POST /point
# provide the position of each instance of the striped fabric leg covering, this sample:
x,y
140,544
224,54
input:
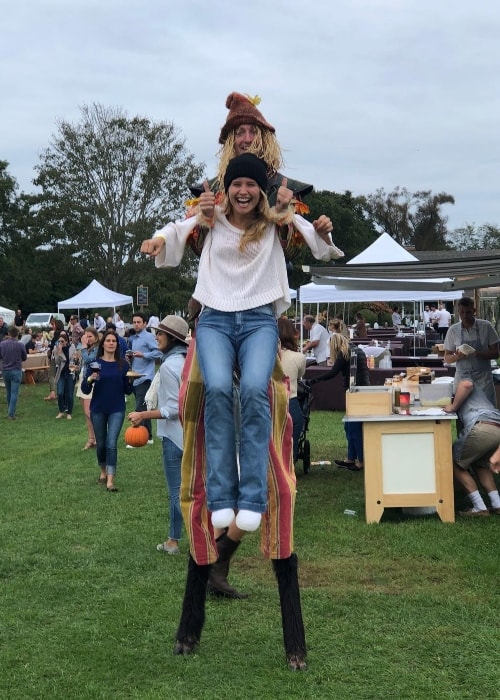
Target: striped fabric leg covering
x,y
277,523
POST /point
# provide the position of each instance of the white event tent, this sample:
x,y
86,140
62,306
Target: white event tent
x,y
7,315
384,250
96,296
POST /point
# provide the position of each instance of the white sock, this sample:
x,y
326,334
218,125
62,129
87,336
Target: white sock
x,y
494,497
248,520
477,501
222,518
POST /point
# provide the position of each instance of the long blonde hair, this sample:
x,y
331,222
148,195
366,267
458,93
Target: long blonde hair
x,y
338,344
264,146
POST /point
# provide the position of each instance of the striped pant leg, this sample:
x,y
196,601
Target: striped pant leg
x,y
277,523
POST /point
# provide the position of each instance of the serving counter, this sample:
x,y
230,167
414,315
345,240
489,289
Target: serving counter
x,y
330,395
407,463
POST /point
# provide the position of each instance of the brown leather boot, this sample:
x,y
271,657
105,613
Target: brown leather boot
x,y
218,585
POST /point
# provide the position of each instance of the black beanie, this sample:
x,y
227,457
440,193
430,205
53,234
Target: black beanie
x,y
246,165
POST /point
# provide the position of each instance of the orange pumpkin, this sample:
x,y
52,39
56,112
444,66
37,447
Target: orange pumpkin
x,y
136,435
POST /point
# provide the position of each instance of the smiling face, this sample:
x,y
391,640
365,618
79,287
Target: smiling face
x,y
243,138
162,340
244,195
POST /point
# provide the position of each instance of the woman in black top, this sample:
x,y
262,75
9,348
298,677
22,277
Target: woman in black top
x,y
353,429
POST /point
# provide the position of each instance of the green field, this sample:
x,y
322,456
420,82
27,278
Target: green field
x,y
408,608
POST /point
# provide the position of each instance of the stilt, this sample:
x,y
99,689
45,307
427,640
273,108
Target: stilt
x,y
286,571
193,608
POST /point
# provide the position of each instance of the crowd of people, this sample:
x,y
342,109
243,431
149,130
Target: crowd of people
x,y
68,350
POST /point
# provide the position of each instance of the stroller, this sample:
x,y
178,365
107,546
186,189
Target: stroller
x,y
304,395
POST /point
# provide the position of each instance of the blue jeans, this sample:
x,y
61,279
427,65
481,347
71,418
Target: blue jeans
x,y
107,428
172,457
65,393
354,435
12,379
225,340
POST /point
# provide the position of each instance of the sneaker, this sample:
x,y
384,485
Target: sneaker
x,y
496,511
167,548
130,447
247,520
474,513
151,442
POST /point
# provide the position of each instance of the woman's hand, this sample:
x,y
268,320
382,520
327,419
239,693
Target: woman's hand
x,y
323,226
152,246
135,417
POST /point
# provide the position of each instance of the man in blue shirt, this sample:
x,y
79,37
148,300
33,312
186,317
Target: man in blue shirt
x,y
12,354
475,445
145,348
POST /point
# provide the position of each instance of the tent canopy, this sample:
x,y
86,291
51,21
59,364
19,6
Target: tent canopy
x,y
349,289
95,296
7,315
384,250
330,294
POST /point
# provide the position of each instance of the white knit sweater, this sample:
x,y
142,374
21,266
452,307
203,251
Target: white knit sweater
x,y
234,280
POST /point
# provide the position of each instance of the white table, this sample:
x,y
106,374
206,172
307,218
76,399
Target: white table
x,y
408,463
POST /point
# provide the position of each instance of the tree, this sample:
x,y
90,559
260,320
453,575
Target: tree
x,y
20,278
107,183
9,209
470,237
411,219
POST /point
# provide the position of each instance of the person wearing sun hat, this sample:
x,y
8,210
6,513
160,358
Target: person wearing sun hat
x,y
174,326
162,402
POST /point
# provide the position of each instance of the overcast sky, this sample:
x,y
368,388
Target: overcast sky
x,y
363,93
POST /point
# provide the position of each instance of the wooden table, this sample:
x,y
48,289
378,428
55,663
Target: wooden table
x,y
34,363
408,463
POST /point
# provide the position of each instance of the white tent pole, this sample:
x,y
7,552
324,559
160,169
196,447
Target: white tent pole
x,y
301,326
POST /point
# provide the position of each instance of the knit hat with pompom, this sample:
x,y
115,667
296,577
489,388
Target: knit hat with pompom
x,y
242,110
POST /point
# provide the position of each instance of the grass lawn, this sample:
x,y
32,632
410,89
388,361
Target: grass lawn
x,y
408,608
